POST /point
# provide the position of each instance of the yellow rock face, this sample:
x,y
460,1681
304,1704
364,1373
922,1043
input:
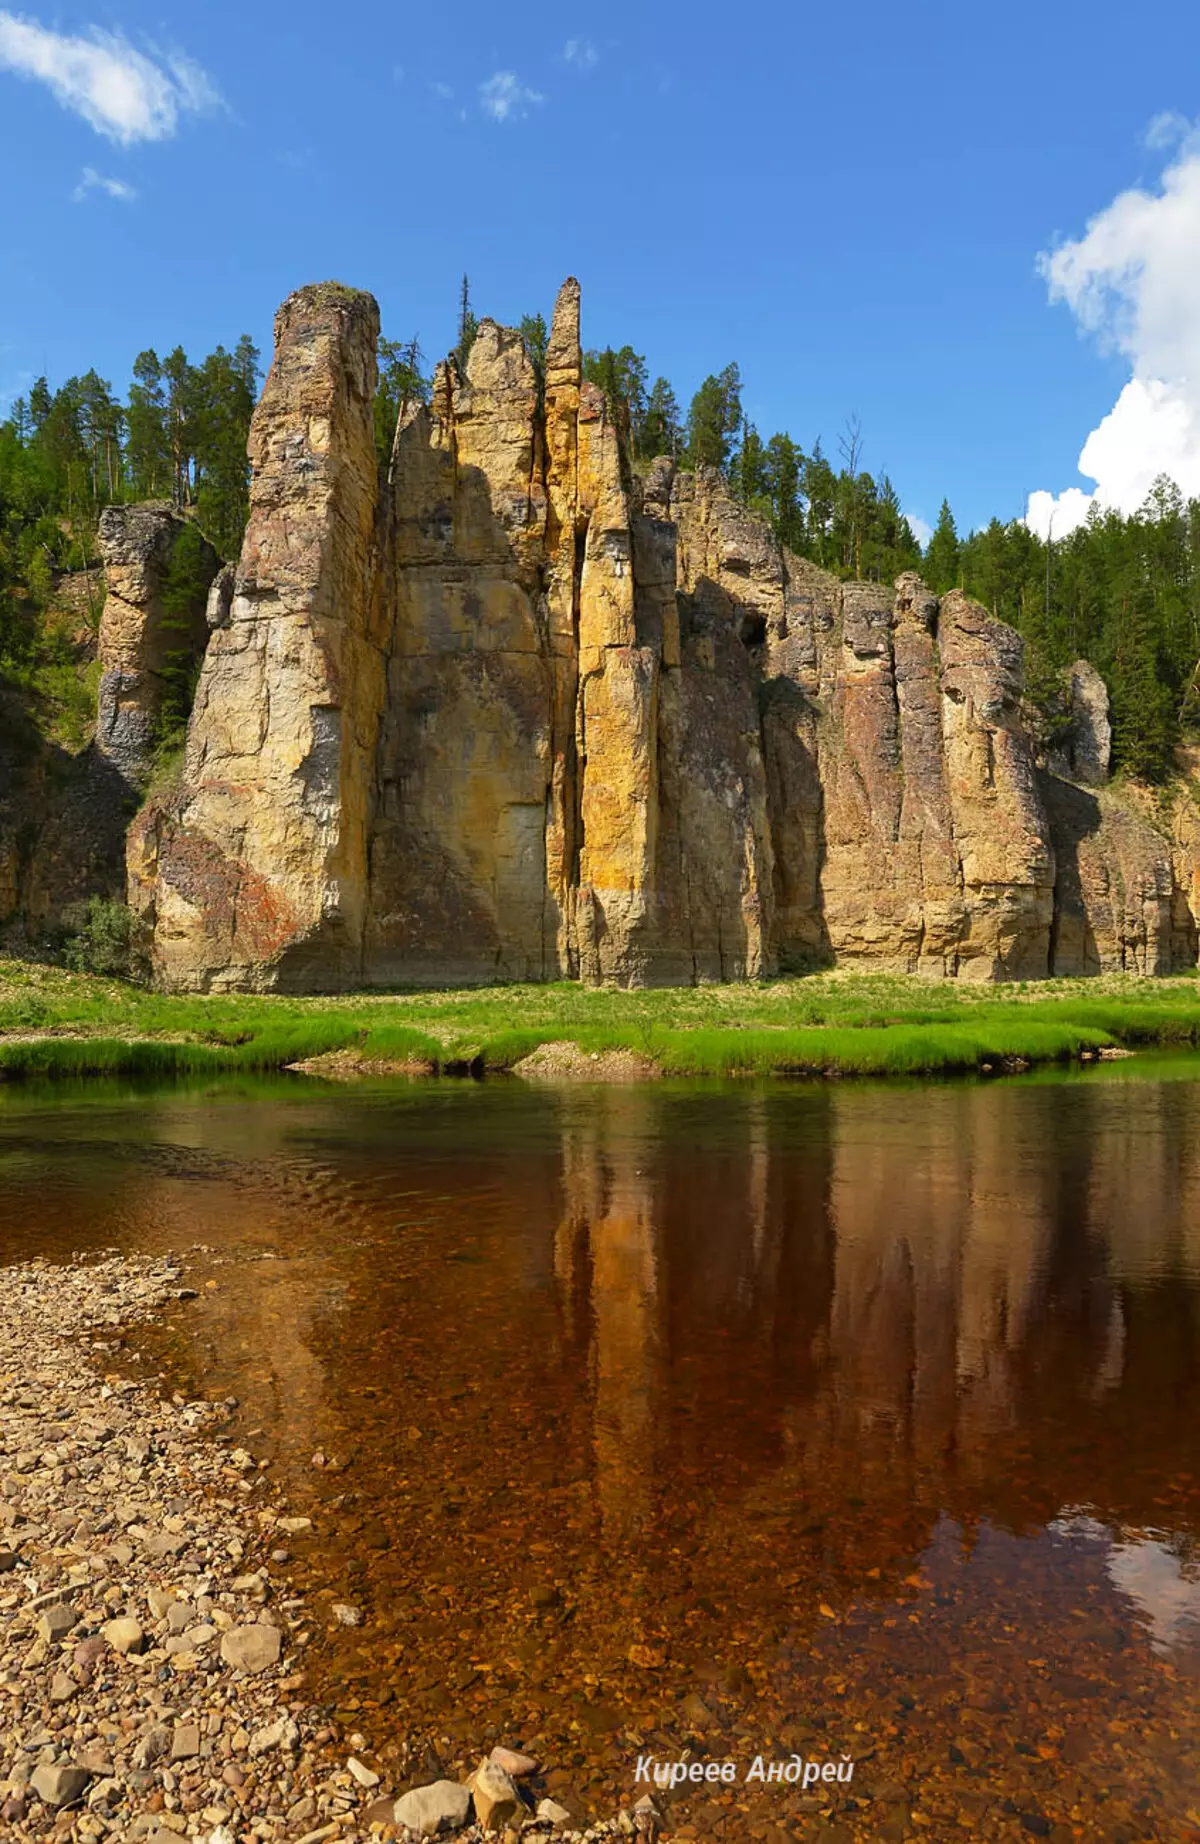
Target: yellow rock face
x,y
506,710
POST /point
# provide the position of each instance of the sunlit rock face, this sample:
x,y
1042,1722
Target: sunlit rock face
x,y
508,710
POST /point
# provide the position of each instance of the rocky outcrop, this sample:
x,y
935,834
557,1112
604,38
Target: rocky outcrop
x,y
254,871
1088,749
1125,899
153,630
510,711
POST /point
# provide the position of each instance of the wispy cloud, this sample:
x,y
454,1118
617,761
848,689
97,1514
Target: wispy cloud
x,y
921,529
505,98
91,181
125,94
443,91
1163,131
581,53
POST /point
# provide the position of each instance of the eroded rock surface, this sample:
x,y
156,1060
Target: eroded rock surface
x,y
509,711
147,634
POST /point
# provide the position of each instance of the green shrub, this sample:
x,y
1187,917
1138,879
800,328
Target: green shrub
x,y
103,940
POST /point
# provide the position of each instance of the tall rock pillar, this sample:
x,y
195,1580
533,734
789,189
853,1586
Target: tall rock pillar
x,y
253,873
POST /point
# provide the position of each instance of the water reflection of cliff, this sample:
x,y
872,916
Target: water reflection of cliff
x,y
929,1295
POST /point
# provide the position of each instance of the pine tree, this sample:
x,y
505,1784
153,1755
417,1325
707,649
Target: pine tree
x,y
468,327
402,383
149,451
942,556
749,472
535,337
1144,720
223,394
784,464
714,419
820,492
622,377
181,394
661,431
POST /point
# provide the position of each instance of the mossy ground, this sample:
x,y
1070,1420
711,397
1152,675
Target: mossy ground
x,y
57,1023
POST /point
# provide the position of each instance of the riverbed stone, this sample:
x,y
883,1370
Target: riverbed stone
x,y
252,1648
54,1623
518,1766
443,1805
497,1801
59,1786
124,1635
185,1744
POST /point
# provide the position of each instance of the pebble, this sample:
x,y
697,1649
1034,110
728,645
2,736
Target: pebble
x,y
251,1648
124,1636
426,1809
59,1786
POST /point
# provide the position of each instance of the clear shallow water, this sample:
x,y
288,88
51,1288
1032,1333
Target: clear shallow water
x,y
837,1419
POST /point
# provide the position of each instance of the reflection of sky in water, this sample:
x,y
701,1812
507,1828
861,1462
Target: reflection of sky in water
x,y
1165,1589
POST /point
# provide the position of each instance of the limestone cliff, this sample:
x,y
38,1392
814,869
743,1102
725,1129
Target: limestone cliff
x,y
515,712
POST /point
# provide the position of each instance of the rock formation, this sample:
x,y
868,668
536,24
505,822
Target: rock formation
x,y
516,712
144,637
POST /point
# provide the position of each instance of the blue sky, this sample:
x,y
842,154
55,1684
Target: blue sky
x,y
851,204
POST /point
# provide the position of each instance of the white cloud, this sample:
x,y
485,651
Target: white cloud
x,y
505,98
442,91
581,53
91,181
921,529
1133,282
119,91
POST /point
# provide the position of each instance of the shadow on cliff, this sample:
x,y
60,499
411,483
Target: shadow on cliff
x,y
1074,816
796,807
456,832
63,818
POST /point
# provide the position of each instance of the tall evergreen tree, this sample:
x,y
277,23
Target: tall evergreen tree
x,y
942,555
662,430
621,376
535,337
148,456
714,419
402,383
468,326
223,394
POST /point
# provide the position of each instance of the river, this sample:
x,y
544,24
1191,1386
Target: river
x,y
852,1422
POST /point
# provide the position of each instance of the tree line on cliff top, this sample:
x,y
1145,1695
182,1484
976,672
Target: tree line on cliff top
x,y
1121,592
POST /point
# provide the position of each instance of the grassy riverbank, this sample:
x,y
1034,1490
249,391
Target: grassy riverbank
x,y
54,1023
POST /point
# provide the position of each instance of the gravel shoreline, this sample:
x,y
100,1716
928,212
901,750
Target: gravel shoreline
x,y
151,1655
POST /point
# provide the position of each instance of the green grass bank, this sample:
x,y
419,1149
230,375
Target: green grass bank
x,y
54,1023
